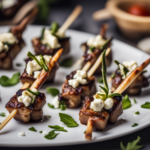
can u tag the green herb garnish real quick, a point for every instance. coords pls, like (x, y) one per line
(34, 93)
(113, 75)
(42, 33)
(40, 63)
(100, 80)
(51, 135)
(126, 103)
(52, 91)
(40, 131)
(84, 132)
(54, 27)
(50, 105)
(92, 49)
(32, 129)
(5, 81)
(67, 62)
(134, 125)
(58, 128)
(68, 120)
(2, 114)
(137, 112)
(62, 105)
(132, 145)
(106, 43)
(134, 100)
(146, 105)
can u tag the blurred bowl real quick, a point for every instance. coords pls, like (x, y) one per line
(130, 25)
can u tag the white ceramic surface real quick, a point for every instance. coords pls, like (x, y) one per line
(121, 52)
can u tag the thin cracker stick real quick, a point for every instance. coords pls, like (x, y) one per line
(71, 18)
(97, 63)
(25, 85)
(89, 129)
(131, 77)
(87, 66)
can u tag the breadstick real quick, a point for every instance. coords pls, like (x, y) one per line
(89, 129)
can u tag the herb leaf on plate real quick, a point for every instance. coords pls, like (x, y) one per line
(67, 62)
(137, 112)
(132, 145)
(146, 105)
(68, 120)
(134, 125)
(52, 91)
(57, 128)
(5, 81)
(32, 129)
(50, 105)
(51, 135)
(126, 103)
(2, 114)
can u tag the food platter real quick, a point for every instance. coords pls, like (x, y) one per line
(121, 52)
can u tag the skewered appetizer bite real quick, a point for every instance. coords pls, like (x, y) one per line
(11, 43)
(105, 107)
(94, 47)
(78, 84)
(34, 66)
(27, 104)
(54, 38)
(122, 72)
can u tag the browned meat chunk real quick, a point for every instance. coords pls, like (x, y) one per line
(32, 113)
(41, 49)
(6, 62)
(74, 96)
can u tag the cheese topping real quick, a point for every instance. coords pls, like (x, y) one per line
(96, 42)
(21, 134)
(33, 66)
(50, 40)
(3, 47)
(55, 102)
(8, 3)
(130, 65)
(26, 97)
(44, 133)
(78, 78)
(97, 105)
(7, 37)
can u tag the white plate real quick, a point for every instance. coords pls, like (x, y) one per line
(121, 52)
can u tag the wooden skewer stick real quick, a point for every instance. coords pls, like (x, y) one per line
(37, 83)
(87, 66)
(78, 62)
(97, 63)
(71, 18)
(131, 77)
(88, 132)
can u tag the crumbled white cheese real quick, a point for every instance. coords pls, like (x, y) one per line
(26, 97)
(130, 65)
(108, 103)
(21, 134)
(97, 105)
(96, 42)
(44, 133)
(50, 40)
(89, 51)
(36, 74)
(55, 102)
(3, 47)
(7, 37)
(33, 66)
(78, 78)
(8, 3)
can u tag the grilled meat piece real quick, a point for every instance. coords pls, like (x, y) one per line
(41, 49)
(30, 79)
(100, 119)
(94, 55)
(74, 96)
(6, 62)
(135, 88)
(32, 113)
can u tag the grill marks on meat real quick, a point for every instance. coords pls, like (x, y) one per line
(74, 96)
(41, 49)
(100, 119)
(30, 78)
(94, 55)
(135, 88)
(32, 113)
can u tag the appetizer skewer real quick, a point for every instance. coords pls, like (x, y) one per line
(78, 84)
(122, 72)
(11, 43)
(105, 106)
(27, 104)
(53, 39)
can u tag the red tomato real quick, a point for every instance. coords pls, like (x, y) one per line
(139, 10)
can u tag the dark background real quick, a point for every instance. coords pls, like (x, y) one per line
(59, 11)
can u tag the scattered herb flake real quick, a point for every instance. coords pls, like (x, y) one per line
(67, 62)
(5, 81)
(68, 120)
(134, 125)
(146, 105)
(134, 100)
(52, 91)
(84, 132)
(2, 114)
(100, 80)
(62, 105)
(40, 131)
(137, 112)
(50, 105)
(48, 116)
(18, 64)
(126, 103)
(132, 145)
(58, 128)
(51, 135)
(32, 129)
